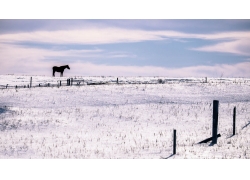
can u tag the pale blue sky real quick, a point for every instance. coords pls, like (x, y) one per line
(174, 48)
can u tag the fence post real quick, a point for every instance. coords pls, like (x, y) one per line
(60, 83)
(205, 79)
(215, 121)
(71, 81)
(117, 81)
(174, 142)
(6, 86)
(30, 82)
(234, 119)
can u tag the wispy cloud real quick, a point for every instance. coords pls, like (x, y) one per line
(15, 58)
(111, 35)
(233, 70)
(240, 47)
(82, 36)
(238, 41)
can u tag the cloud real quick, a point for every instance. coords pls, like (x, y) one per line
(19, 59)
(237, 42)
(82, 36)
(90, 69)
(111, 35)
(240, 47)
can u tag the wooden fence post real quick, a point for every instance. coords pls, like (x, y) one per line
(174, 142)
(60, 83)
(215, 121)
(234, 119)
(205, 79)
(71, 81)
(30, 82)
(117, 81)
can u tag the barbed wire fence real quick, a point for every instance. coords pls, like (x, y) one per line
(83, 82)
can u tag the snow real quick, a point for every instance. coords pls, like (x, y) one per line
(132, 119)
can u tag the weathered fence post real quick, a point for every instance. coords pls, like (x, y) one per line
(205, 79)
(234, 119)
(117, 81)
(215, 121)
(16, 86)
(48, 84)
(6, 86)
(30, 82)
(71, 81)
(60, 83)
(174, 142)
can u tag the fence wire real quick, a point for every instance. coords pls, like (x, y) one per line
(82, 82)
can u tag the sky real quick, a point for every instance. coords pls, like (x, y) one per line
(126, 47)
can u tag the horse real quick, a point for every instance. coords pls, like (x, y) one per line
(59, 69)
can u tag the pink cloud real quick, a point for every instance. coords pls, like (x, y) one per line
(241, 47)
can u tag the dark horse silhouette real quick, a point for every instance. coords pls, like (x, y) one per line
(59, 69)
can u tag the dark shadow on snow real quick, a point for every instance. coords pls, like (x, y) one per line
(246, 125)
(230, 136)
(208, 139)
(2, 110)
(211, 144)
(167, 157)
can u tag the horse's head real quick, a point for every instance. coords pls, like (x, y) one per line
(67, 67)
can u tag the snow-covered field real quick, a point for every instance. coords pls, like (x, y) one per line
(123, 120)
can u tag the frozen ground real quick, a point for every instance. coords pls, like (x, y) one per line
(123, 120)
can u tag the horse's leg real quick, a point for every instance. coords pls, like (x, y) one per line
(61, 73)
